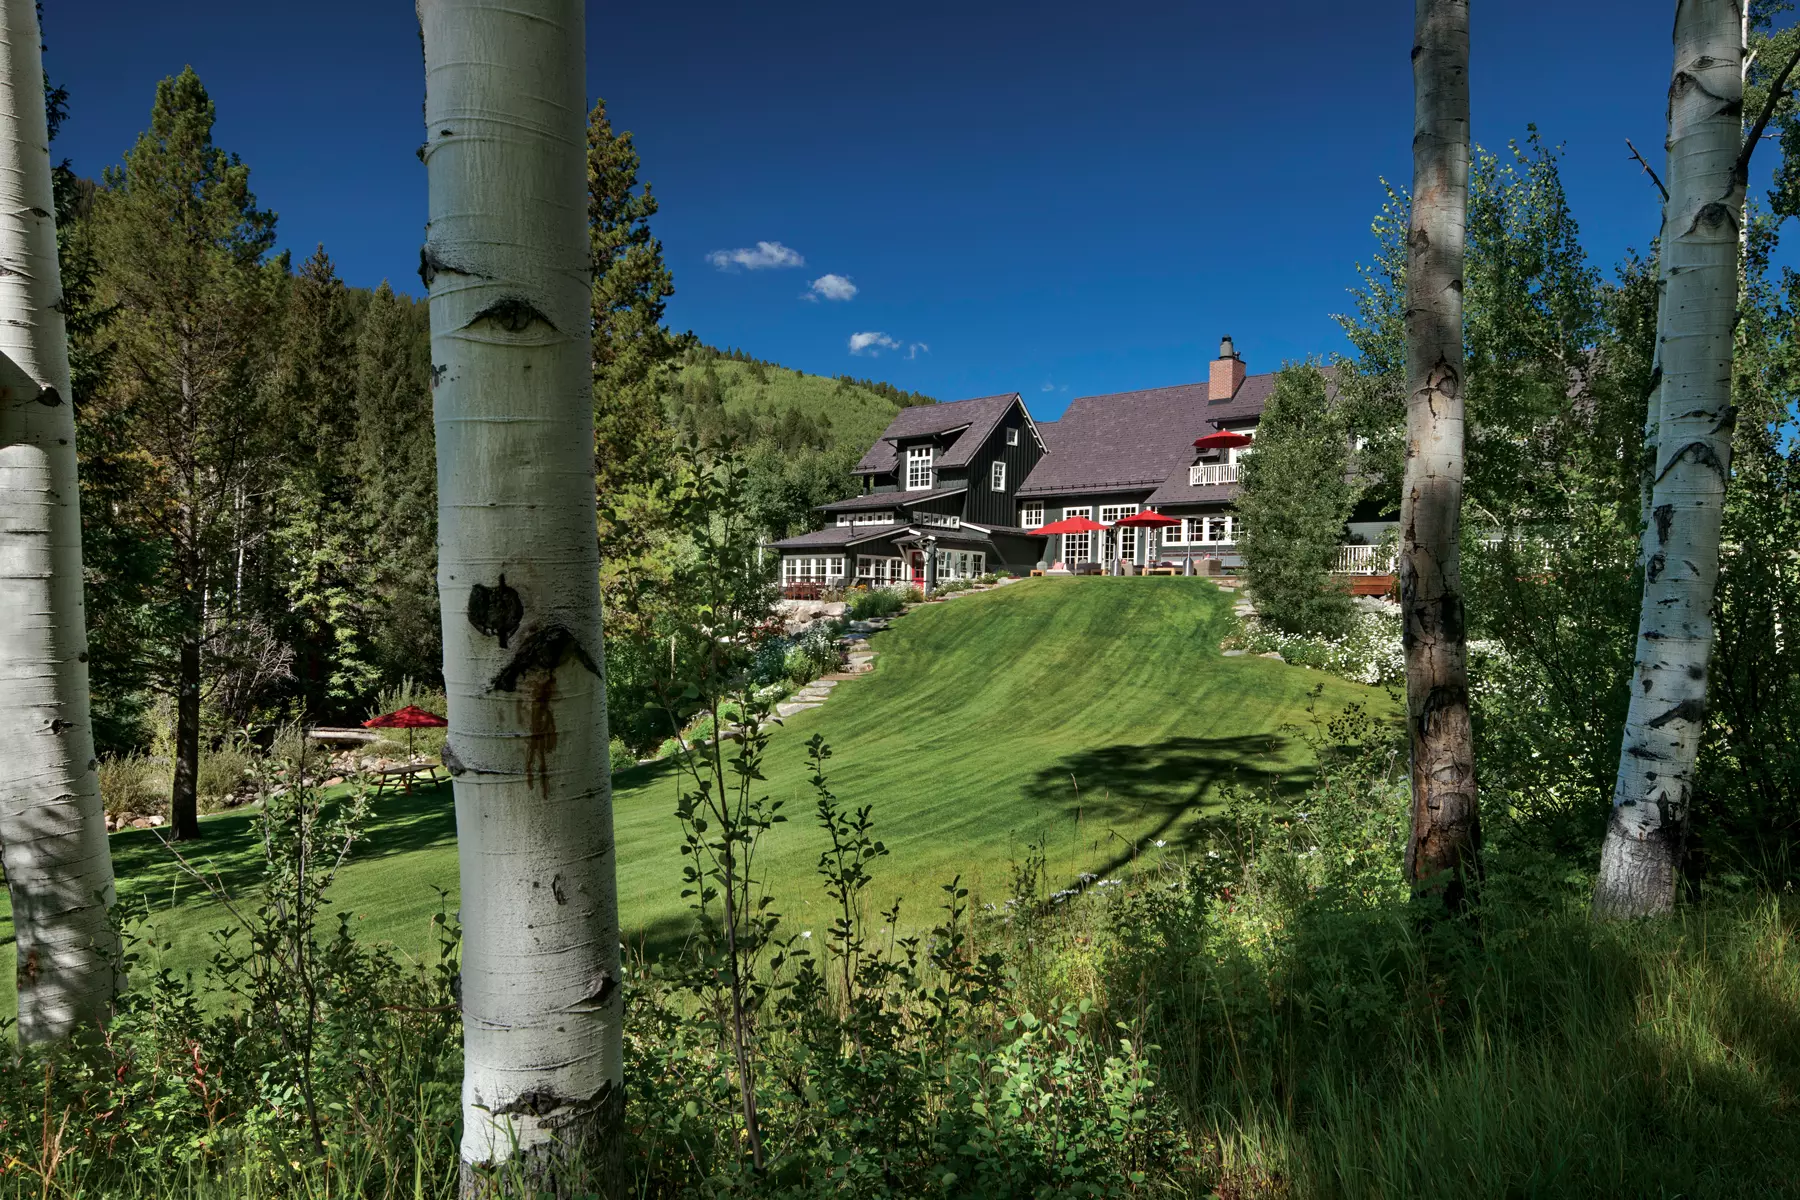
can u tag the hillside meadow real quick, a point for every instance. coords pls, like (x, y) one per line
(1094, 718)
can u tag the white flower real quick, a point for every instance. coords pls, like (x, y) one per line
(806, 934)
(1160, 843)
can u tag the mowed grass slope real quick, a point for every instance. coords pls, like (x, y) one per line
(1095, 715)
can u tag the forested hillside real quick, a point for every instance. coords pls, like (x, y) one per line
(256, 450)
(799, 434)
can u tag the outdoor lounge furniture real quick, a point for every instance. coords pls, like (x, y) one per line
(1089, 568)
(1162, 571)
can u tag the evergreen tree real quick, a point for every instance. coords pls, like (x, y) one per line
(320, 548)
(396, 497)
(1296, 497)
(183, 252)
(633, 441)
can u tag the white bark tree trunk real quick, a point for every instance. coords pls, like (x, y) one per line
(1641, 858)
(1443, 852)
(507, 264)
(58, 867)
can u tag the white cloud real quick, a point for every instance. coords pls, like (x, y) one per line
(765, 255)
(916, 349)
(831, 287)
(871, 343)
(1048, 387)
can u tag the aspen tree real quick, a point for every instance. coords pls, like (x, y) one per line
(1698, 286)
(58, 868)
(1443, 851)
(506, 260)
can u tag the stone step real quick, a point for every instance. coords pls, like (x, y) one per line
(792, 707)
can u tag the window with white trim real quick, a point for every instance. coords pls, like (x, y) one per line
(997, 476)
(876, 571)
(1127, 538)
(918, 469)
(1077, 547)
(1012, 437)
(961, 564)
(812, 568)
(1031, 516)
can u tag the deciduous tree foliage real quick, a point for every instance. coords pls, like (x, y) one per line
(52, 830)
(1296, 497)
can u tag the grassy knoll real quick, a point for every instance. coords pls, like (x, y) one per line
(1094, 714)
(854, 414)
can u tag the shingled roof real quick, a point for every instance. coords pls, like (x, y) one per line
(881, 500)
(1135, 439)
(978, 417)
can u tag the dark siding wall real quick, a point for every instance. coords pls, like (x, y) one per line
(983, 505)
(1016, 554)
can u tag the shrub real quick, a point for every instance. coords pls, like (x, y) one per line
(1368, 651)
(815, 652)
(224, 772)
(134, 783)
(875, 602)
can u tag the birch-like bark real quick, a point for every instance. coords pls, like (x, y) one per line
(58, 868)
(1641, 858)
(1443, 851)
(506, 261)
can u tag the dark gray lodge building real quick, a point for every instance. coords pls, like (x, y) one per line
(976, 478)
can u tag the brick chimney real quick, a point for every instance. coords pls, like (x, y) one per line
(1227, 372)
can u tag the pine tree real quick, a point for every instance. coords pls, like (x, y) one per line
(1296, 498)
(1443, 852)
(396, 496)
(182, 248)
(52, 826)
(634, 460)
(519, 585)
(319, 545)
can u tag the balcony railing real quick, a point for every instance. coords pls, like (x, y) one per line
(1365, 560)
(1206, 474)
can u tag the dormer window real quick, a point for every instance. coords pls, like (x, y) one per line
(918, 469)
(1012, 437)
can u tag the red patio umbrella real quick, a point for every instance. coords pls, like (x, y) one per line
(409, 718)
(1223, 440)
(1149, 518)
(1071, 525)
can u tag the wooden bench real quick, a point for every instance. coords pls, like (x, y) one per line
(396, 779)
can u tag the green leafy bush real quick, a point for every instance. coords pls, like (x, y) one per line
(134, 783)
(876, 602)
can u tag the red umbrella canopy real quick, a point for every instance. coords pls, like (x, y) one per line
(1071, 525)
(1148, 519)
(410, 717)
(1223, 440)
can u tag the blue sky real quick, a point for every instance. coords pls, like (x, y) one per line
(1052, 198)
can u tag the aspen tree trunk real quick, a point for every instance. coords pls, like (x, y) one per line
(1443, 852)
(58, 868)
(1641, 857)
(507, 263)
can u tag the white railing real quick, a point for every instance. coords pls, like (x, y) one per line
(1204, 474)
(1365, 560)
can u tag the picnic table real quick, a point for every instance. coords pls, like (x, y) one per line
(400, 778)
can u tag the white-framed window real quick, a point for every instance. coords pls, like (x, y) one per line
(961, 564)
(1031, 516)
(876, 571)
(1077, 547)
(918, 469)
(1012, 437)
(997, 477)
(1127, 538)
(800, 568)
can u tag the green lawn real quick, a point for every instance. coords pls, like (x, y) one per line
(1096, 714)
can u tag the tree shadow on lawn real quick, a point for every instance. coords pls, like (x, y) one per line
(1168, 782)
